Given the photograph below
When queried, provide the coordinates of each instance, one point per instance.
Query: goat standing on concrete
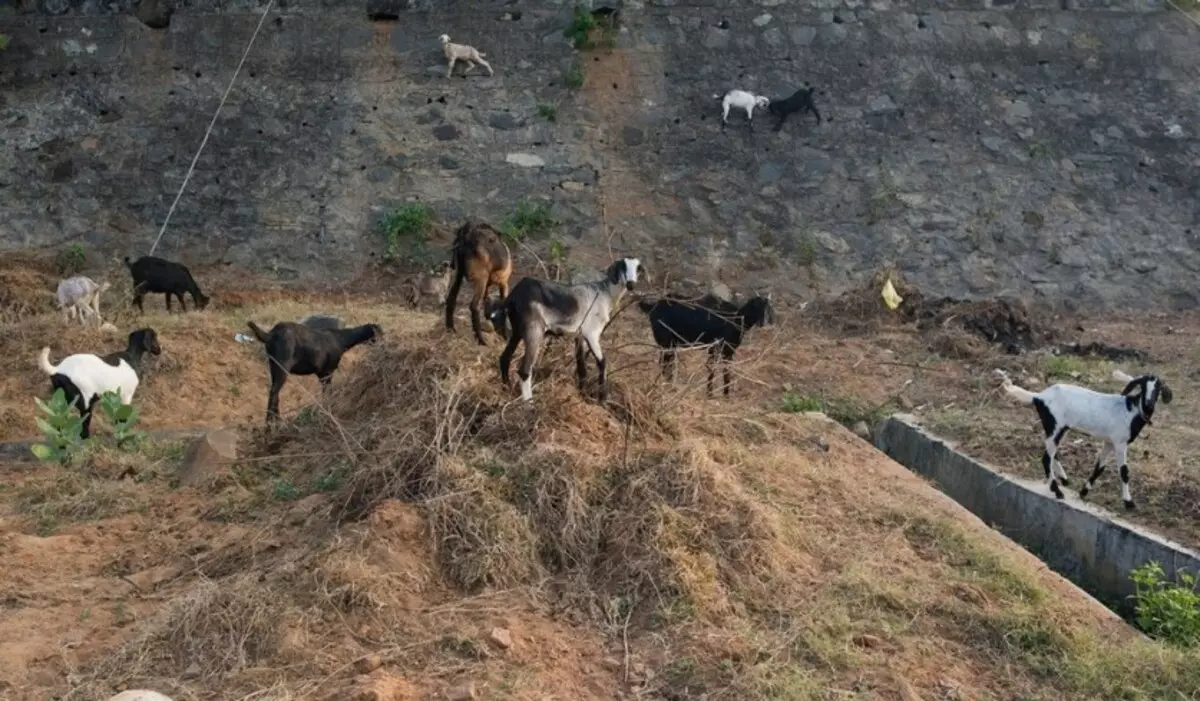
(800, 101)
(481, 256)
(79, 297)
(537, 308)
(709, 321)
(743, 100)
(462, 52)
(297, 349)
(1119, 418)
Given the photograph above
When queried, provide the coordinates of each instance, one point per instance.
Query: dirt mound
(1004, 322)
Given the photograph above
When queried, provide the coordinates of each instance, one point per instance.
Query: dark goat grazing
(800, 101)
(152, 274)
(678, 323)
(84, 377)
(481, 256)
(296, 349)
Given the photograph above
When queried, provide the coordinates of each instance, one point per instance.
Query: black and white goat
(1118, 418)
(536, 308)
(84, 377)
(709, 321)
(800, 101)
(742, 100)
(299, 349)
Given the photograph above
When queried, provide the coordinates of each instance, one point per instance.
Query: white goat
(536, 308)
(79, 296)
(743, 100)
(1119, 418)
(462, 52)
(84, 377)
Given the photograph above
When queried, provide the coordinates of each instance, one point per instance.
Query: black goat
(800, 101)
(296, 349)
(153, 274)
(678, 323)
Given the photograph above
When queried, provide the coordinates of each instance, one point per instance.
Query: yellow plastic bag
(890, 298)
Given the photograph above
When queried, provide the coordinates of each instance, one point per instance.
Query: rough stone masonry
(1043, 148)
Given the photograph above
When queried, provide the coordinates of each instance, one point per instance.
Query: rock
(368, 663)
(463, 692)
(762, 20)
(526, 160)
(192, 672)
(109, 329)
(205, 455)
(867, 641)
(147, 580)
(155, 14)
(139, 695)
(448, 163)
(572, 186)
(862, 430)
(446, 132)
(378, 686)
(907, 693)
(821, 443)
(503, 120)
(633, 136)
(721, 290)
(501, 638)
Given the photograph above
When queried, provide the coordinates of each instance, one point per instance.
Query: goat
(433, 283)
(744, 100)
(537, 308)
(1119, 418)
(710, 321)
(481, 256)
(297, 349)
(84, 377)
(800, 101)
(152, 274)
(462, 52)
(79, 297)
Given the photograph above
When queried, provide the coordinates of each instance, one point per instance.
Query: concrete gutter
(1082, 542)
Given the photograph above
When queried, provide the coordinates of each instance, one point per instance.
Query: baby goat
(79, 297)
(800, 101)
(1119, 418)
(434, 283)
(84, 377)
(743, 100)
(479, 255)
(152, 274)
(537, 308)
(297, 349)
(710, 321)
(462, 52)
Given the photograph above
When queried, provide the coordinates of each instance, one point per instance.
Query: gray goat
(536, 308)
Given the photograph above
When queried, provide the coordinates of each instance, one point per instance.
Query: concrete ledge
(1083, 543)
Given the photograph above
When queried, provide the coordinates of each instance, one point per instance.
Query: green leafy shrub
(71, 259)
(1164, 610)
(581, 28)
(406, 227)
(529, 219)
(61, 428)
(799, 403)
(124, 420)
(574, 77)
(548, 112)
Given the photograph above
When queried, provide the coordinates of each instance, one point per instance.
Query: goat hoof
(1063, 481)
(1083, 492)
(1130, 506)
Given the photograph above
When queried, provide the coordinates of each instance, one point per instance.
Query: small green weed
(124, 420)
(330, 481)
(283, 490)
(70, 260)
(579, 31)
(406, 226)
(574, 77)
(800, 403)
(1064, 366)
(529, 219)
(3, 42)
(548, 112)
(1165, 610)
(62, 430)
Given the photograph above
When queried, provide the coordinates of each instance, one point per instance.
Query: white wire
(211, 124)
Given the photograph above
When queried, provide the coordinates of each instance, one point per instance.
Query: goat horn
(1121, 376)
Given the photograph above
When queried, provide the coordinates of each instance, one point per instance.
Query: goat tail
(128, 263)
(1019, 393)
(44, 362)
(258, 333)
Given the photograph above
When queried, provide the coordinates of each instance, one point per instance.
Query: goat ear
(1121, 376)
(1133, 389)
(1165, 392)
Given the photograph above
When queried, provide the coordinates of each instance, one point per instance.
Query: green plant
(63, 430)
(3, 42)
(579, 31)
(1169, 611)
(284, 490)
(548, 112)
(330, 481)
(574, 77)
(71, 259)
(123, 418)
(529, 219)
(798, 403)
(406, 225)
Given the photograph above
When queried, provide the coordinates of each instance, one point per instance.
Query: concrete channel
(1082, 542)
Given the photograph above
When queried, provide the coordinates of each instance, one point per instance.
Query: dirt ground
(417, 530)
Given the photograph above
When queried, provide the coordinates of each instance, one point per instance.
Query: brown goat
(481, 256)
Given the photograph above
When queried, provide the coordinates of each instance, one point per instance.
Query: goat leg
(580, 362)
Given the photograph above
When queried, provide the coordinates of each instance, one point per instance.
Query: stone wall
(983, 147)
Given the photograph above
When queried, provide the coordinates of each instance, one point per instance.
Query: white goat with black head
(537, 308)
(1119, 418)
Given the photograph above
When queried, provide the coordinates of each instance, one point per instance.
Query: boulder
(205, 456)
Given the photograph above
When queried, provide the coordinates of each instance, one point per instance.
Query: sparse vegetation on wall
(70, 260)
(529, 219)
(408, 228)
(3, 42)
(586, 33)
